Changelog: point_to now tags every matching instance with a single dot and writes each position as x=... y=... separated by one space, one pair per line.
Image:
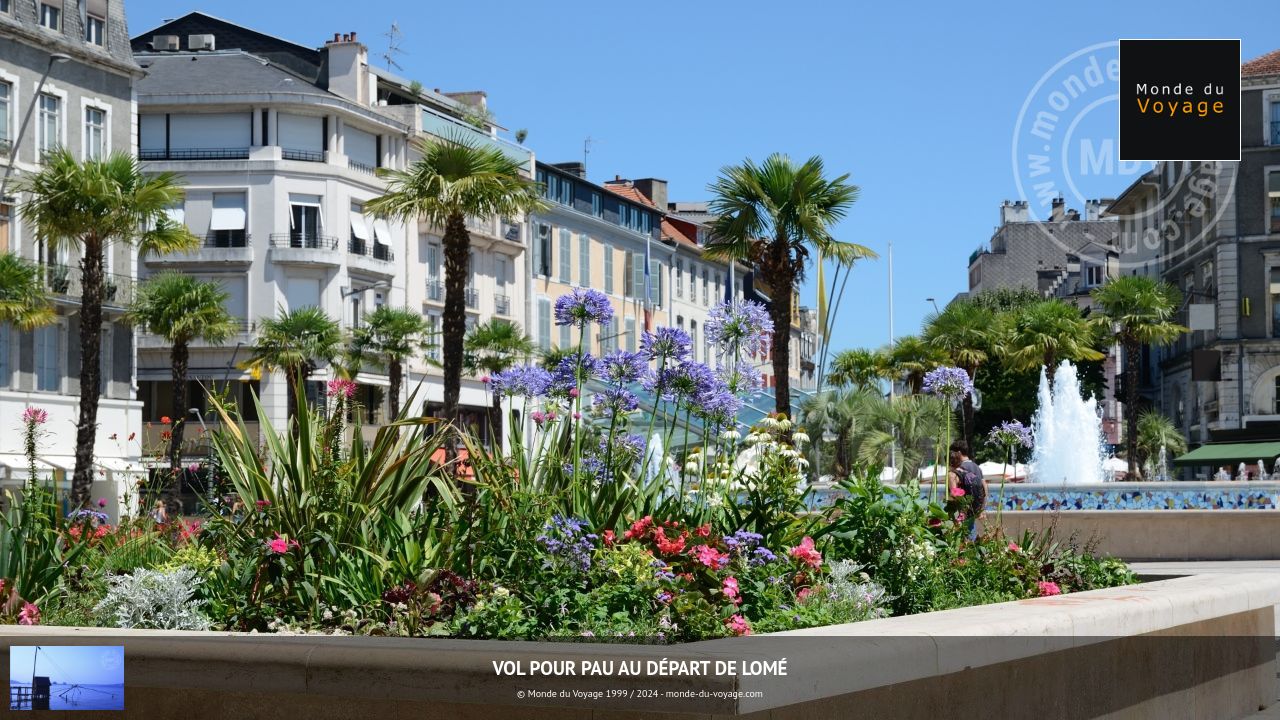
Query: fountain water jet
x=1068 y=433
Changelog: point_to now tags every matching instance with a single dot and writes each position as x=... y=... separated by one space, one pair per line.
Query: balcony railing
x=435 y=291
x=226 y=239
x=510 y=230
x=501 y=305
x=473 y=298
x=360 y=167
x=241 y=153
x=65 y=282
x=375 y=250
x=304 y=155
x=309 y=241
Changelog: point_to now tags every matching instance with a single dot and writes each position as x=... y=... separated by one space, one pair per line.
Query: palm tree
x=1156 y=431
x=839 y=419
x=394 y=334
x=911 y=357
x=181 y=308
x=89 y=207
x=491 y=348
x=452 y=180
x=295 y=342
x=909 y=427
x=1045 y=334
x=964 y=332
x=858 y=368
x=22 y=298
x=770 y=215
x=1138 y=311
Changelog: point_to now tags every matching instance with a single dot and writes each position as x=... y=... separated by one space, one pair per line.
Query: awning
x=228 y=212
x=19 y=462
x=382 y=231
x=62 y=462
x=358 y=228
x=1230 y=453
x=119 y=465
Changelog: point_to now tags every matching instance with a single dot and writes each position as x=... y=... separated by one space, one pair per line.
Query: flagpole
x=893 y=445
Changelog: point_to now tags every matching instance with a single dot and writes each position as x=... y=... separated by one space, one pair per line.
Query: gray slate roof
x=217 y=73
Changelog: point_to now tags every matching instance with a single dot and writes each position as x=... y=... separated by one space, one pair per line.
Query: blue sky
x=916 y=101
x=76 y=664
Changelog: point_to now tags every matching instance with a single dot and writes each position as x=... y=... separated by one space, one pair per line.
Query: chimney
x=654 y=189
x=1059 y=210
x=1012 y=212
x=577 y=168
x=348 y=67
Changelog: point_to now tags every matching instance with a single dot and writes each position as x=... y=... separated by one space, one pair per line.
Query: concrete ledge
x=1158 y=534
x=1204 y=642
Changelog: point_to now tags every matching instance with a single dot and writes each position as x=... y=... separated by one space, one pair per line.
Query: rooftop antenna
x=586 y=148
x=393 y=37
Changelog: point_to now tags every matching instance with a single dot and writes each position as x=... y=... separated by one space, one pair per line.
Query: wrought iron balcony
x=241 y=153
x=473 y=298
x=304 y=155
x=501 y=305
x=65 y=283
x=310 y=241
x=435 y=291
x=375 y=250
x=360 y=167
x=226 y=239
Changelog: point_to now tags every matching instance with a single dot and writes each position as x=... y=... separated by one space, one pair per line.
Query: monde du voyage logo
x=1179 y=100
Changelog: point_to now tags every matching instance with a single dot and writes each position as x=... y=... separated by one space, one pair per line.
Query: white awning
x=228 y=212
x=19 y=462
x=371 y=379
x=382 y=231
x=358 y=227
x=62 y=462
x=119 y=465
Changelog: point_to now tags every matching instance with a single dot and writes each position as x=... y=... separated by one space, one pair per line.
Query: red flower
x=608 y=538
x=639 y=528
x=1047 y=588
x=805 y=553
x=704 y=531
x=165 y=420
x=1013 y=547
x=934 y=522
x=279 y=545
x=710 y=556
x=133 y=435
x=957 y=492
x=673 y=546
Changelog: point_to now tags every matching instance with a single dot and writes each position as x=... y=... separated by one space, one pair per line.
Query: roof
x=1230 y=453
x=670 y=230
x=220 y=72
x=1268 y=64
x=629 y=192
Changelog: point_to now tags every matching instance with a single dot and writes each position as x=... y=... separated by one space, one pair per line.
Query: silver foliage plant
x=156 y=600
x=848 y=584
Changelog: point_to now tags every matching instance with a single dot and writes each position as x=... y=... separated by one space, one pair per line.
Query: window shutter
x=627 y=276
x=544 y=323
x=637 y=281
x=566 y=245
x=631 y=334
x=608 y=269
x=584 y=260
x=586 y=338
x=655 y=287
x=566 y=339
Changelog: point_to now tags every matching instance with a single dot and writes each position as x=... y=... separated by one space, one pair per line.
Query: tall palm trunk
x=394 y=372
x=1050 y=367
x=291 y=394
x=457 y=248
x=1130 y=359
x=495 y=424
x=781 y=281
x=179 y=357
x=90 y=369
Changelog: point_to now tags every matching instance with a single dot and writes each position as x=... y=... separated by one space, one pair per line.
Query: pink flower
x=960 y=517
x=164 y=420
x=957 y=492
x=102 y=502
x=485 y=379
x=193 y=468
x=35 y=416
x=573 y=392
x=577 y=416
x=262 y=503
x=538 y=416
x=804 y=594
x=731 y=590
x=29 y=615
x=805 y=553
x=341 y=387
x=710 y=557
x=738 y=625
x=279 y=545
x=1048 y=588
x=1013 y=547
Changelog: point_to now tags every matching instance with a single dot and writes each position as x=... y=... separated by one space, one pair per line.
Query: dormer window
x=1094 y=275
x=51 y=14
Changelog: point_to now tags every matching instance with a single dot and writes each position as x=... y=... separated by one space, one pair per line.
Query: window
x=608 y=269
x=433 y=336
x=655 y=282
x=51 y=15
x=597 y=208
x=693 y=337
x=4 y=6
x=542 y=252
x=566 y=337
x=1273 y=198
x=356 y=315
x=705 y=294
x=1276 y=409
x=1206 y=276
x=6 y=98
x=1275 y=302
x=228 y=222
x=634 y=286
x=1093 y=275
x=500 y=273
x=544 y=324
x=584 y=261
x=679 y=278
x=566 y=245
x=95 y=133
x=558 y=189
x=1275 y=122
x=6 y=213
x=305 y=221
x=50 y=125
x=104 y=363
x=95 y=27
x=586 y=338
x=719 y=289
x=48 y=368
x=631 y=334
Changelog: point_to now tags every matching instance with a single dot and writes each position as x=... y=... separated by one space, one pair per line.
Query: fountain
x=1240 y=473
x=1068 y=433
x=1262 y=471
x=1162 y=470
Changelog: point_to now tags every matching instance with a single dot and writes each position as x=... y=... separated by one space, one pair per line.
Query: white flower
x=800 y=438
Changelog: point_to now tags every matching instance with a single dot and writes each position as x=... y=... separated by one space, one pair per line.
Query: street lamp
x=380 y=285
x=54 y=58
x=935 y=305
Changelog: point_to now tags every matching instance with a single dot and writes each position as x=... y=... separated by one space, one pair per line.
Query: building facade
x=1213 y=230
x=66 y=81
x=279 y=145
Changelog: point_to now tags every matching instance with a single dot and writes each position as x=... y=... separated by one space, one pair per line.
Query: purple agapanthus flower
x=529 y=381
x=685 y=381
x=742 y=326
x=951 y=383
x=622 y=367
x=667 y=345
x=573 y=372
x=717 y=407
x=630 y=446
x=583 y=306
x=1010 y=433
x=743 y=380
x=615 y=400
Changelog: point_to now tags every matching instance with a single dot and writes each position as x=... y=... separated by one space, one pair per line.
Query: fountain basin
x=1111 y=496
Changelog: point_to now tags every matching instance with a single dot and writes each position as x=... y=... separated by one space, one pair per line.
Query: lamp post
x=935 y=305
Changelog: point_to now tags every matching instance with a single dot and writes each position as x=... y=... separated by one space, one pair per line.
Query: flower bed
x=592 y=527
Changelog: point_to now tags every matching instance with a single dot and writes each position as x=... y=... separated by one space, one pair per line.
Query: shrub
x=154 y=600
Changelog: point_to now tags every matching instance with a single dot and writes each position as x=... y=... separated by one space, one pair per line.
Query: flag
x=822 y=301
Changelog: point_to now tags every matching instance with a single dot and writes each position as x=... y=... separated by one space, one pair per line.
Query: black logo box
x=1187 y=68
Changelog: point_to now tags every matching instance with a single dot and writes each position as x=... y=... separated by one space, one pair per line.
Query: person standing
x=966 y=477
